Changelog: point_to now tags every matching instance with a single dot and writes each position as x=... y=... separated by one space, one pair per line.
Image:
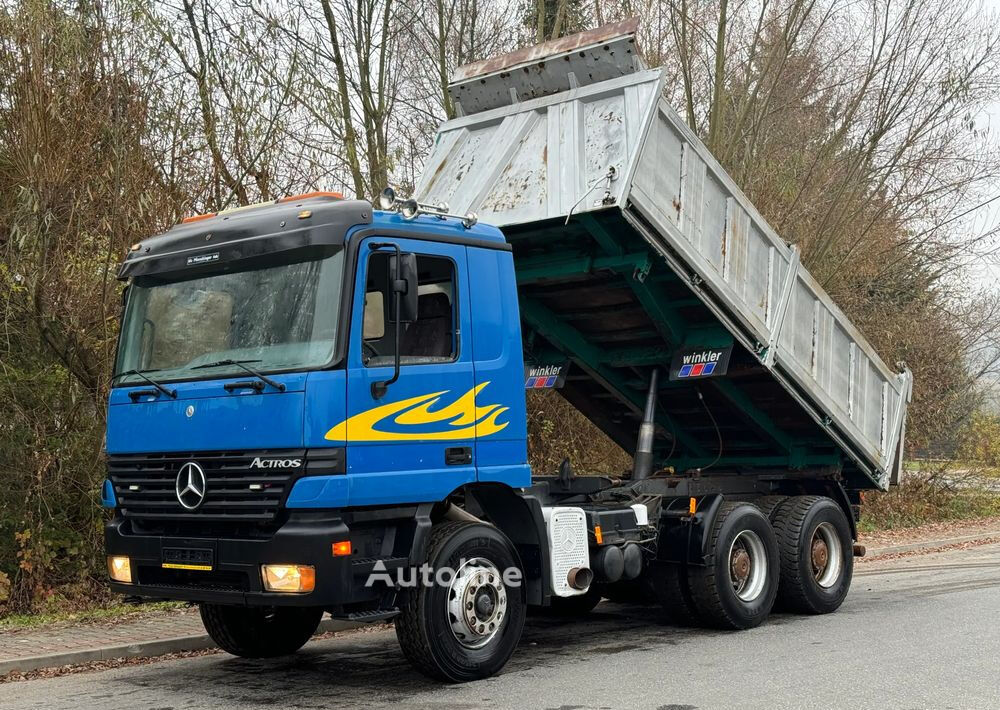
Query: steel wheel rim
x=748 y=565
x=477 y=603
x=826 y=541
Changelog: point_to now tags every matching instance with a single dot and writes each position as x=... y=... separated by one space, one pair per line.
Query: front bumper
x=235 y=575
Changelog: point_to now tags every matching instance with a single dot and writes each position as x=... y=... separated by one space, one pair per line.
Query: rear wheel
x=769 y=505
x=260 y=632
x=817 y=555
x=466 y=627
x=578 y=605
x=738 y=588
x=673 y=592
x=631 y=591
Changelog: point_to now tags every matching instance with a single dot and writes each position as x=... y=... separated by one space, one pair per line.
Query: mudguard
x=684 y=538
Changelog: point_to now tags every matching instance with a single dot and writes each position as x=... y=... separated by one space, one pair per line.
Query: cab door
x=416 y=441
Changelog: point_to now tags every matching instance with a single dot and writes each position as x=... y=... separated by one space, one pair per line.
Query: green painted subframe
x=665 y=317
x=588 y=355
x=646 y=278
x=763 y=422
x=563 y=266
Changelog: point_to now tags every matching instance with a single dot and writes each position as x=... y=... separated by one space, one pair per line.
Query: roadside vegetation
x=856 y=129
x=959 y=484
x=928 y=499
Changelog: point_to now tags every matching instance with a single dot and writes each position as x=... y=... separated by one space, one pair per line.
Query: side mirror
x=403 y=306
x=406 y=287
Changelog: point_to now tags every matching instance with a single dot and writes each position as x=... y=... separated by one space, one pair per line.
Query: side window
x=429 y=339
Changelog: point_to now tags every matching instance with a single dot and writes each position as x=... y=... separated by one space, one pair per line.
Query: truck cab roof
x=314 y=224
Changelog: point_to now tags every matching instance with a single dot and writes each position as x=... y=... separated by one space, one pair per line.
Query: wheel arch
x=518 y=516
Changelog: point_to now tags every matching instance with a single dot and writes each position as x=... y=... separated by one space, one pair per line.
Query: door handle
x=458 y=455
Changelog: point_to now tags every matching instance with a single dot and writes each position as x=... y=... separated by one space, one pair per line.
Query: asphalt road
x=921 y=632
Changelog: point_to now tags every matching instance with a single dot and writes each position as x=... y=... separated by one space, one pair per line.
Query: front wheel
x=467 y=622
x=260 y=632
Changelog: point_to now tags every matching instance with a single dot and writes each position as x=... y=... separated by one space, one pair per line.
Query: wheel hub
x=477 y=603
x=740 y=566
x=484 y=606
x=826 y=554
x=748 y=566
x=820 y=556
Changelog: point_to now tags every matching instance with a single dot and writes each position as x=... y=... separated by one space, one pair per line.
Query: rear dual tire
x=674 y=593
x=794 y=553
x=736 y=590
x=817 y=555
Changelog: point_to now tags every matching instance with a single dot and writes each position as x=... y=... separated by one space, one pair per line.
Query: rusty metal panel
x=541 y=158
x=548 y=68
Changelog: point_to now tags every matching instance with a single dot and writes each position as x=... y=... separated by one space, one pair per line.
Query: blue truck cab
x=270 y=334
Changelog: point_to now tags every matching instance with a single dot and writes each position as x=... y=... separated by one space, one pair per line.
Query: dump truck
x=319 y=404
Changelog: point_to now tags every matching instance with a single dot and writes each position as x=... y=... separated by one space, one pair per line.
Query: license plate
x=196 y=559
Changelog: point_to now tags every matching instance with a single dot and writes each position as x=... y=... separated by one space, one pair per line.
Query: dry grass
x=944 y=493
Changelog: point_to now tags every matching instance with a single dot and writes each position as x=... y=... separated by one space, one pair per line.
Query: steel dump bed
x=633 y=246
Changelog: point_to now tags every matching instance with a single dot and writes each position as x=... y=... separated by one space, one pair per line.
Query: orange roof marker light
x=197 y=217
x=310 y=195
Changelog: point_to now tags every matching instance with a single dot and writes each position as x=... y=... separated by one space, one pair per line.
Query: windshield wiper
x=240 y=364
x=141 y=373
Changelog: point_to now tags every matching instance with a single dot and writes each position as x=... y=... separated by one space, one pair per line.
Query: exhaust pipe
x=580 y=577
x=642 y=462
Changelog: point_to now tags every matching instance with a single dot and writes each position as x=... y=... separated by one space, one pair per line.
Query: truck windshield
x=277 y=318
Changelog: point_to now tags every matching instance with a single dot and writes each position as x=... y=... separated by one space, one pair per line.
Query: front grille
x=145 y=485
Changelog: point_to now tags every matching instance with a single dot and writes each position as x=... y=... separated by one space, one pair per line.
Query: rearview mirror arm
x=380 y=387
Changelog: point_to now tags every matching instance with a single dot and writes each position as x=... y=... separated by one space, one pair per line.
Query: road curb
x=158 y=647
x=929 y=544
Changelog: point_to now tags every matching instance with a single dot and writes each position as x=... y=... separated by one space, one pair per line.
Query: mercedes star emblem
x=191 y=485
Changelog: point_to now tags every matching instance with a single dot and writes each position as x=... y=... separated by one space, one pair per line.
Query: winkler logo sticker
x=423 y=418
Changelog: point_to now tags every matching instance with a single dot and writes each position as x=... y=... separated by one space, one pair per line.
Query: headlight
x=120 y=569
x=289 y=578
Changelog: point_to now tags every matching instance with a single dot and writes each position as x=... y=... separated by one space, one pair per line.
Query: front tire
x=260 y=632
x=467 y=628
x=737 y=590
x=817 y=555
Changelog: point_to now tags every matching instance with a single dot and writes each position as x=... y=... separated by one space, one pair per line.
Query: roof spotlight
x=409 y=209
x=387 y=199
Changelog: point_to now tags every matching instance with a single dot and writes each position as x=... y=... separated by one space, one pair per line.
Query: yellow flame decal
x=464 y=418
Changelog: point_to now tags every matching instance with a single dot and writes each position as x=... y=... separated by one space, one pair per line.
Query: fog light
x=120 y=569
x=289 y=578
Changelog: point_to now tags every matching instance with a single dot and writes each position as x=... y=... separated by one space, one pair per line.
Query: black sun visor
x=306 y=228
